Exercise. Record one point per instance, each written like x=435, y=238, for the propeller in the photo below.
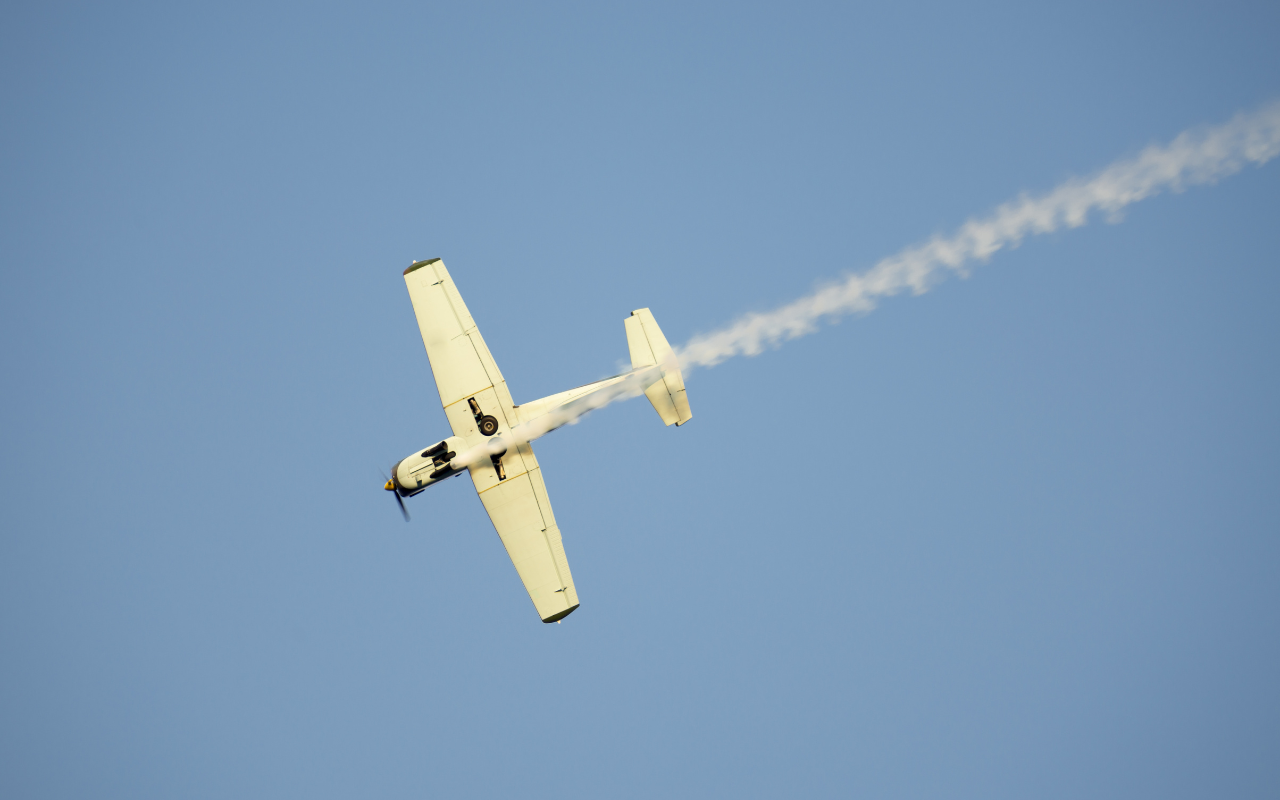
x=391, y=487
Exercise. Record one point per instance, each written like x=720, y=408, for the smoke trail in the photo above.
x=1193, y=158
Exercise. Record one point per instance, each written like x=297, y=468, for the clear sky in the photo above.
x=1018, y=537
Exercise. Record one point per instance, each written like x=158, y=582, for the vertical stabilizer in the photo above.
x=649, y=348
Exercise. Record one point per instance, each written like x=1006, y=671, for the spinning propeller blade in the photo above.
x=391, y=487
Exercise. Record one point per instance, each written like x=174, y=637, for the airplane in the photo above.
x=491, y=435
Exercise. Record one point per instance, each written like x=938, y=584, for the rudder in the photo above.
x=649, y=348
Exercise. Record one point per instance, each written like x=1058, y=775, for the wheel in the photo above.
x=488, y=425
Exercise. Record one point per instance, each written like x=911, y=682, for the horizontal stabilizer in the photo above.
x=649, y=348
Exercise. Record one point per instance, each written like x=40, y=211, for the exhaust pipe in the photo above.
x=443, y=472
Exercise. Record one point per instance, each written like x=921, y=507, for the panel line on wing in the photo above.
x=538, y=500
x=555, y=562
x=461, y=325
x=500, y=483
x=481, y=359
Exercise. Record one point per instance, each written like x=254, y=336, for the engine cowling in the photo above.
x=416, y=472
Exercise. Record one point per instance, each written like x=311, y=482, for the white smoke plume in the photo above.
x=1193, y=158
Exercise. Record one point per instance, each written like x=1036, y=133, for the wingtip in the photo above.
x=420, y=264
x=562, y=614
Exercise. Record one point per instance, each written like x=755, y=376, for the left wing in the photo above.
x=521, y=513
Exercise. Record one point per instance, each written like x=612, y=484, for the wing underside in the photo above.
x=460, y=360
x=521, y=513
x=511, y=489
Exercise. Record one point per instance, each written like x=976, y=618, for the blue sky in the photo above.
x=1013, y=538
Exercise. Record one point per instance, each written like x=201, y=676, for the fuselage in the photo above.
x=417, y=471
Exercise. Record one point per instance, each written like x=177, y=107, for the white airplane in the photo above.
x=491, y=434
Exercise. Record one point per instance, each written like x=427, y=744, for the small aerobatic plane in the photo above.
x=492, y=435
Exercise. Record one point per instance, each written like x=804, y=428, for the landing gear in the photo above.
x=487, y=423
x=496, y=459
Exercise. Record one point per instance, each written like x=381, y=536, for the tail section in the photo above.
x=649, y=348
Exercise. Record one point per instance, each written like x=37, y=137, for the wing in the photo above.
x=511, y=489
x=521, y=513
x=460, y=361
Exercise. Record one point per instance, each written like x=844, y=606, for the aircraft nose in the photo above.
x=390, y=486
